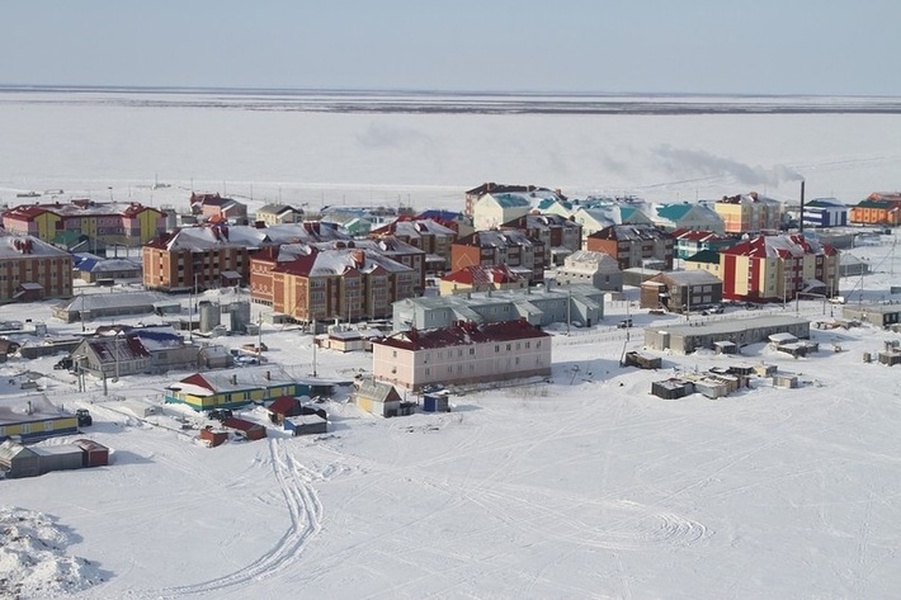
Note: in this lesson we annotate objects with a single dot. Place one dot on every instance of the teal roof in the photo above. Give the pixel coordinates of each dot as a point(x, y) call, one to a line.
point(673, 212)
point(626, 211)
point(549, 202)
point(511, 200)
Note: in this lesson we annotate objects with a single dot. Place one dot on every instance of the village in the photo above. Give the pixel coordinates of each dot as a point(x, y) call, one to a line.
point(222, 323)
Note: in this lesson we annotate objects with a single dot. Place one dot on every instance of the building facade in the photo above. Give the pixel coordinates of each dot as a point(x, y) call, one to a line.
point(682, 291)
point(591, 268)
point(510, 247)
point(347, 284)
point(777, 268)
point(749, 213)
point(560, 235)
point(634, 245)
point(463, 353)
point(127, 224)
point(31, 269)
point(880, 208)
point(825, 212)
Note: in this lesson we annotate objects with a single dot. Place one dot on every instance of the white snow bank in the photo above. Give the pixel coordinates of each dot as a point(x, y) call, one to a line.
point(33, 558)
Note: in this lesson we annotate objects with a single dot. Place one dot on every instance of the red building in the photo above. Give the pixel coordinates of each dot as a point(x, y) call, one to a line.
point(33, 270)
point(633, 245)
point(511, 247)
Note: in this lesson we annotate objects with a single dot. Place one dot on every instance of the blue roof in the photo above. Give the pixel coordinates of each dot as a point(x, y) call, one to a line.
point(440, 215)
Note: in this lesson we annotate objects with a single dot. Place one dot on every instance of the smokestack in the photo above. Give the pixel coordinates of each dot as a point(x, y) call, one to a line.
point(801, 218)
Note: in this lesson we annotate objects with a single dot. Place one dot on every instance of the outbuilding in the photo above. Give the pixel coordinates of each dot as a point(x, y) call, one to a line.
point(436, 402)
point(93, 454)
point(248, 429)
point(59, 458)
point(19, 461)
point(309, 423)
point(673, 388)
point(381, 399)
point(213, 437)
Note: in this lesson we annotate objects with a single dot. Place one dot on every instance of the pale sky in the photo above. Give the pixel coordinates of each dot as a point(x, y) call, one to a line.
point(650, 46)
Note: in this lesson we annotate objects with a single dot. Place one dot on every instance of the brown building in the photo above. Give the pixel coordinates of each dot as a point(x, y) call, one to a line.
point(348, 284)
point(634, 245)
point(560, 236)
point(216, 209)
point(682, 291)
point(214, 256)
point(33, 270)
point(511, 247)
point(429, 236)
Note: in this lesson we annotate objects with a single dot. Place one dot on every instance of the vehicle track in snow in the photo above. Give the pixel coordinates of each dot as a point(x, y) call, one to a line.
point(305, 518)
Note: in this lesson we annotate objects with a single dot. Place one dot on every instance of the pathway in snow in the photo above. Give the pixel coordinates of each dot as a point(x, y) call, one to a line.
point(305, 517)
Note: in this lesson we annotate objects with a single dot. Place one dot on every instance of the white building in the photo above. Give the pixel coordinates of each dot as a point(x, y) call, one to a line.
point(463, 353)
point(493, 210)
point(591, 268)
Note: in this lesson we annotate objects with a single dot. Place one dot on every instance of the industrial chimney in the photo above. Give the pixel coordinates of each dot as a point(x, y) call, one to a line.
point(801, 218)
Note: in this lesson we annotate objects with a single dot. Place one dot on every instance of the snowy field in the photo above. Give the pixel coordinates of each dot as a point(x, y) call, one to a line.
point(584, 487)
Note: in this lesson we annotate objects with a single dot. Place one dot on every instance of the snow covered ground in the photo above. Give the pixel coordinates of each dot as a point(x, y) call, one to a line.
point(583, 487)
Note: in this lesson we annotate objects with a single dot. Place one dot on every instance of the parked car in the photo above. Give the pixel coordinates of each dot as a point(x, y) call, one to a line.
point(220, 414)
point(83, 417)
point(64, 364)
point(624, 324)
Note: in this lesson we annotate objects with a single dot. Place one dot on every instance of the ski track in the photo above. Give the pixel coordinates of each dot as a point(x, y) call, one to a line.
point(305, 516)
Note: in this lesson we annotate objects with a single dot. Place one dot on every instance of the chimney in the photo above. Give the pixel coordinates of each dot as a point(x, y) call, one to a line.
point(801, 218)
point(235, 379)
point(268, 375)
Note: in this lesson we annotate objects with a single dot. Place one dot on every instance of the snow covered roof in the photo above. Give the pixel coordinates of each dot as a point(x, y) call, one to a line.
point(204, 237)
point(247, 378)
point(462, 334)
point(691, 277)
point(597, 261)
point(483, 274)
point(499, 238)
point(90, 302)
point(326, 263)
point(782, 246)
point(23, 246)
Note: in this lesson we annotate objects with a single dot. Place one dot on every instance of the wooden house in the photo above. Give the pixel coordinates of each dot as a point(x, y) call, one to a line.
point(381, 399)
point(310, 422)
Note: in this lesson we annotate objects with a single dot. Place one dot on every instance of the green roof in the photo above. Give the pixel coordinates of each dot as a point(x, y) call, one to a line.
point(511, 200)
point(705, 256)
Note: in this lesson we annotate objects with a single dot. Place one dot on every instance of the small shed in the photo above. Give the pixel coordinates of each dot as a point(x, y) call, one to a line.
point(248, 429)
point(59, 458)
point(18, 461)
point(436, 402)
point(642, 361)
point(310, 423)
point(764, 370)
point(378, 398)
point(725, 347)
point(785, 380)
point(672, 388)
point(213, 437)
point(346, 341)
point(93, 454)
point(283, 407)
point(890, 358)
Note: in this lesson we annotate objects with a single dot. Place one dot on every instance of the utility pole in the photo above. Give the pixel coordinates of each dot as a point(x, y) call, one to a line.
point(314, 347)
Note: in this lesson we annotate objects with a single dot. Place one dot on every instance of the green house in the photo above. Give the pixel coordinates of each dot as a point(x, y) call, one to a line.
point(240, 387)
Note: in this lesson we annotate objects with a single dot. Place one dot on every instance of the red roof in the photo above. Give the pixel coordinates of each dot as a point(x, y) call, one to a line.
point(240, 424)
point(782, 246)
point(697, 236)
point(481, 274)
point(463, 333)
point(285, 405)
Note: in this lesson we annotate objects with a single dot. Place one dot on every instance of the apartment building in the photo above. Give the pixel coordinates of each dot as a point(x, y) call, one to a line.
point(634, 245)
point(31, 269)
point(111, 223)
point(511, 247)
point(749, 213)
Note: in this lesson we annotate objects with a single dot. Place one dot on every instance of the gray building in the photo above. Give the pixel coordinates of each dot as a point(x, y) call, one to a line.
point(591, 268)
point(579, 304)
point(86, 307)
point(688, 337)
point(880, 315)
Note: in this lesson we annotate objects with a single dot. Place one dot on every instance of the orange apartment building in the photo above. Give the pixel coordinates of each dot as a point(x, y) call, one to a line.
point(512, 247)
point(213, 256)
point(31, 269)
point(880, 208)
point(349, 284)
point(633, 245)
